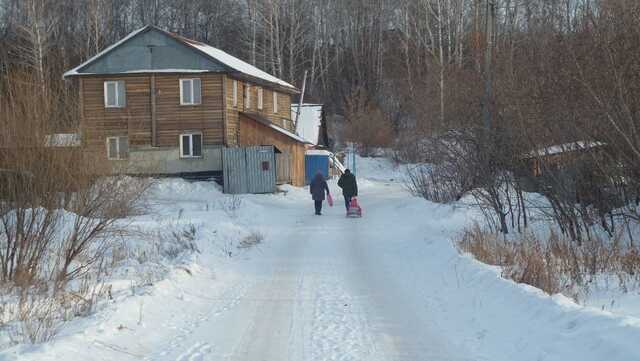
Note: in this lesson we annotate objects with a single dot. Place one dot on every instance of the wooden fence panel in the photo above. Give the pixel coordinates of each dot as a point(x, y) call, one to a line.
point(283, 165)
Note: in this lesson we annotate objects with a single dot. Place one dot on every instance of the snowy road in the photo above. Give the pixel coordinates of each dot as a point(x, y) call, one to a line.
point(324, 294)
point(389, 286)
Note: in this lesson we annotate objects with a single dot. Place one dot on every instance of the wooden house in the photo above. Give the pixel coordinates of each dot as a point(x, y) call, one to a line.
point(158, 103)
point(571, 168)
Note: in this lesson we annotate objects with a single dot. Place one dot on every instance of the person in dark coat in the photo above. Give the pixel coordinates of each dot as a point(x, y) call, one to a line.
point(317, 188)
point(349, 187)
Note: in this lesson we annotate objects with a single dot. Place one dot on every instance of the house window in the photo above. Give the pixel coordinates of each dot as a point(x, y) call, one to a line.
point(190, 92)
point(235, 93)
point(114, 94)
point(260, 98)
point(275, 102)
point(117, 148)
point(247, 96)
point(191, 145)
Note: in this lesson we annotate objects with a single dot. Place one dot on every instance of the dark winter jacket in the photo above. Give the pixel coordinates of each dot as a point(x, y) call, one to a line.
point(348, 184)
point(318, 187)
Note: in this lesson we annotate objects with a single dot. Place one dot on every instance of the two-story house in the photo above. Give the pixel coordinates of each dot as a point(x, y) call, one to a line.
point(158, 103)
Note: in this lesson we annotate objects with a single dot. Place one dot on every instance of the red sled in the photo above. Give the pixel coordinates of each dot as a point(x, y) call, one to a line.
point(354, 211)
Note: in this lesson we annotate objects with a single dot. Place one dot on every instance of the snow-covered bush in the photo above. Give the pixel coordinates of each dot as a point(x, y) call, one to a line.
point(177, 240)
point(231, 205)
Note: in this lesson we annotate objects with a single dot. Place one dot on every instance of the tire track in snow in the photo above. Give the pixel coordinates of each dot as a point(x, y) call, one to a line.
point(225, 302)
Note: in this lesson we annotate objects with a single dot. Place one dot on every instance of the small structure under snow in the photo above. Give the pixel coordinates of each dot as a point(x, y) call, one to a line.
point(564, 148)
point(558, 156)
point(310, 122)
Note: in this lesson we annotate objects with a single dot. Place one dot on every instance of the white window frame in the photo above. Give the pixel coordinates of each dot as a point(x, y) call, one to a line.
point(118, 155)
point(275, 102)
point(235, 93)
point(190, 155)
point(118, 104)
point(260, 98)
point(247, 96)
point(191, 81)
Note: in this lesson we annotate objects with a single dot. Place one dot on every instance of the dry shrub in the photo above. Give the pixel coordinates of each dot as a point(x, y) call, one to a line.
point(434, 183)
point(39, 319)
point(555, 264)
point(231, 205)
point(58, 217)
point(252, 240)
point(447, 175)
point(367, 124)
point(177, 241)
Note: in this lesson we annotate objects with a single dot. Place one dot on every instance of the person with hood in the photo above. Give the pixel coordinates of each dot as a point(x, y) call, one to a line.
point(349, 187)
point(317, 188)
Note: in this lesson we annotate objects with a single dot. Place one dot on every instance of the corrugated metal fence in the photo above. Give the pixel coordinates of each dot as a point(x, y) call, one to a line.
point(249, 170)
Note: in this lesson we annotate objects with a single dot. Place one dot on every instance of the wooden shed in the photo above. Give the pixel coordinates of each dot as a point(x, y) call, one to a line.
point(255, 130)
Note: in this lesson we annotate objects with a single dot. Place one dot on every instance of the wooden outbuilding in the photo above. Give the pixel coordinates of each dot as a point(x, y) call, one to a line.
point(257, 130)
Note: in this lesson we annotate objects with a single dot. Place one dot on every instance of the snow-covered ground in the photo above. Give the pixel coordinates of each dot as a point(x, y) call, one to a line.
point(389, 286)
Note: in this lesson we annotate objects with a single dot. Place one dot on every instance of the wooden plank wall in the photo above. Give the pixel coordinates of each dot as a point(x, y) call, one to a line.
point(231, 115)
point(254, 133)
point(282, 118)
point(174, 119)
point(135, 119)
point(218, 125)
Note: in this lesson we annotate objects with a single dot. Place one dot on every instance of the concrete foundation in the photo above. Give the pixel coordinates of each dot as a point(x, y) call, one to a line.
point(167, 161)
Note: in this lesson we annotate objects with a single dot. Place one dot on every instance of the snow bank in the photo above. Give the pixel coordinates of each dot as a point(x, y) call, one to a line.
point(340, 286)
point(378, 169)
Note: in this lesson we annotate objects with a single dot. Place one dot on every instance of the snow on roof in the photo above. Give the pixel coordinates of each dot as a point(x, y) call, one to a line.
point(318, 152)
point(62, 140)
point(332, 158)
point(309, 121)
point(236, 64)
point(166, 71)
point(563, 148)
point(75, 70)
point(287, 133)
point(266, 122)
point(215, 53)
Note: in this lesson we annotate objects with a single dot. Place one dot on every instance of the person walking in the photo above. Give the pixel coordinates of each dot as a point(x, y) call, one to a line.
point(317, 188)
point(349, 187)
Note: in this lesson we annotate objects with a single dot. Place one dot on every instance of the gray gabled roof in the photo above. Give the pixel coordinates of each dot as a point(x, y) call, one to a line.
point(153, 50)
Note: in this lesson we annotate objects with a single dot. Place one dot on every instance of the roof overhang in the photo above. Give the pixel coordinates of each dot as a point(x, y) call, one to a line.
point(267, 123)
point(552, 150)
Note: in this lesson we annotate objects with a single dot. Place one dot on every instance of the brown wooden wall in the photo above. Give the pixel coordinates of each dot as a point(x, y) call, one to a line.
point(215, 117)
point(173, 119)
point(282, 118)
point(231, 114)
point(254, 133)
point(99, 122)
point(134, 119)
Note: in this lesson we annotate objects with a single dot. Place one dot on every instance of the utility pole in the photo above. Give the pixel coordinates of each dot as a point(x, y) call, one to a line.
point(304, 85)
point(490, 12)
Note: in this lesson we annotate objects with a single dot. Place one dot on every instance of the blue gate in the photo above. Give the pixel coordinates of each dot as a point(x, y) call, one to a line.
point(314, 164)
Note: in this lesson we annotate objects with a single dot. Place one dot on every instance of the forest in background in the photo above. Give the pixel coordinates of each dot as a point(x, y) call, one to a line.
point(555, 65)
point(498, 78)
